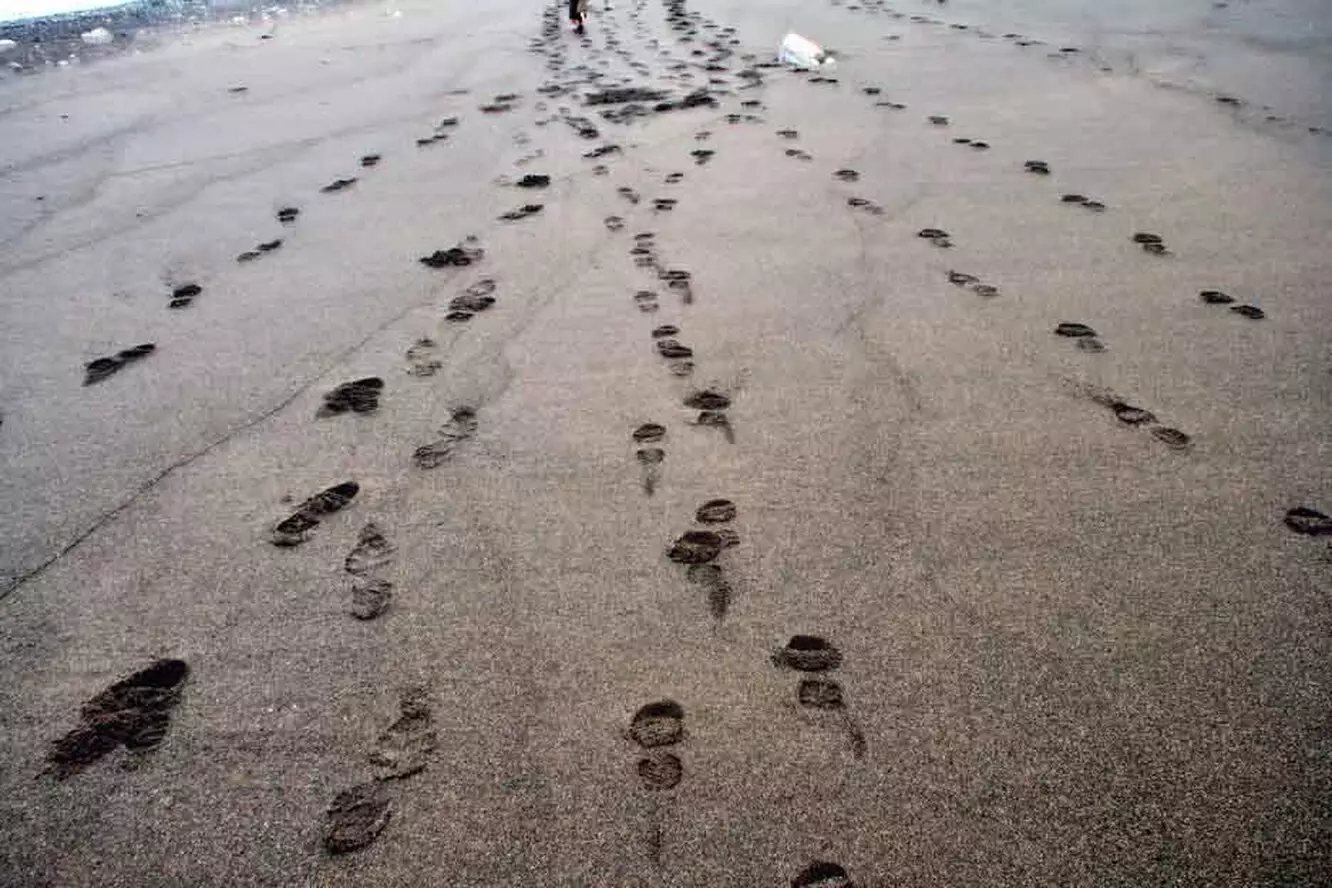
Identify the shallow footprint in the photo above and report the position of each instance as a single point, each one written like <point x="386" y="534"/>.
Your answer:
<point x="461" y="426"/>
<point x="1309" y="522"/>
<point x="371" y="552"/>
<point x="406" y="745"/>
<point x="422" y="358"/>
<point x="1172" y="438"/>
<point x="356" y="818"/>
<point x="716" y="511"/>
<point x="712" y="581"/>
<point x="370" y="598"/>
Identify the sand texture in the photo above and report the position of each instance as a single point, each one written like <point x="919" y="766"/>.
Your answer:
<point x="695" y="515"/>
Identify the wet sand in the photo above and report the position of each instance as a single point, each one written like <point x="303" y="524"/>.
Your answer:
<point x="1070" y="653"/>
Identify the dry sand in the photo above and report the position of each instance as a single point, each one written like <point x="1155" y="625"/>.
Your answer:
<point x="1075" y="655"/>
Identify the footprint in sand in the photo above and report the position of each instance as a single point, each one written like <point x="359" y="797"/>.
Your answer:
<point x="798" y="154"/>
<point x="372" y="552"/>
<point x="134" y="712"/>
<point x="1151" y="243"/>
<point x="337" y="185"/>
<point x="808" y="653"/>
<point x="458" y="429"/>
<point x="423" y="358"/>
<point x="664" y="204"/>
<point x="702" y="156"/>
<point x="1172" y="438"/>
<point x="292" y="531"/>
<point x="184" y="295"/>
<point x="717" y="589"/>
<point x="359" y="396"/>
<point x="1251" y="312"/>
<point x="847" y="175"/>
<point x="405" y="747"/>
<point x="532" y="180"/>
<point x="865" y="204"/>
<point x="936" y="236"/>
<point x="371" y="160"/>
<point x="658" y="724"/>
<point x="522" y="212"/>
<point x="646" y="301"/>
<point x="821" y="874"/>
<point x="260" y="250"/>
<point x="287" y="215"/>
<point x="716" y="511"/>
<point x="356" y="818"/>
<point x="457" y="256"/>
<point x="826" y="695"/>
<point x="614" y="223"/>
<point x="696" y="547"/>
<point x="476" y="298"/>
<point x="650" y="459"/>
<point x="672" y="179"/>
<point x="1215" y="297"/>
<point x="1308" y="522"/>
<point x="1039" y="167"/>
<point x="670" y="348"/>
<point x="628" y="194"/>
<point x="100" y="368"/>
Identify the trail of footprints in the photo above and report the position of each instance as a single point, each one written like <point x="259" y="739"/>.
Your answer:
<point x="135" y="712"/>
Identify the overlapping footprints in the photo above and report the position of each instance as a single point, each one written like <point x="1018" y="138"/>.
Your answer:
<point x="655" y="727"/>
<point x="461" y="426"/>
<point x="134" y="712"/>
<point x="1217" y="297"/>
<point x="814" y="656"/>
<point x="698" y="550"/>
<point x="99" y="369"/>
<point x="366" y="562"/>
<point x="649" y="458"/>
<point x="359" y="814"/>
<point x="1130" y="414"/>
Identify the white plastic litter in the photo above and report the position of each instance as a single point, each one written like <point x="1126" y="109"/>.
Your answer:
<point x="97" y="37"/>
<point x="7" y="46"/>
<point x="796" y="50"/>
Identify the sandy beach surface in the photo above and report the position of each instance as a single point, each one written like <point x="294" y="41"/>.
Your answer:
<point x="1051" y="620"/>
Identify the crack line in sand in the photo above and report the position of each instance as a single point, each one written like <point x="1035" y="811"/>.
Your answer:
<point x="134" y="497"/>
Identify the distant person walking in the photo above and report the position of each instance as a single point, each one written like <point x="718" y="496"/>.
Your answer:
<point x="577" y="14"/>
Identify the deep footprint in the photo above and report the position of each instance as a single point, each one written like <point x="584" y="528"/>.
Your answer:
<point x="292" y="530"/>
<point x="1309" y="522"/>
<point x="134" y="711"/>
<point x="360" y="396"/>
<point x="695" y="547"/>
<point x="820" y="874"/>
